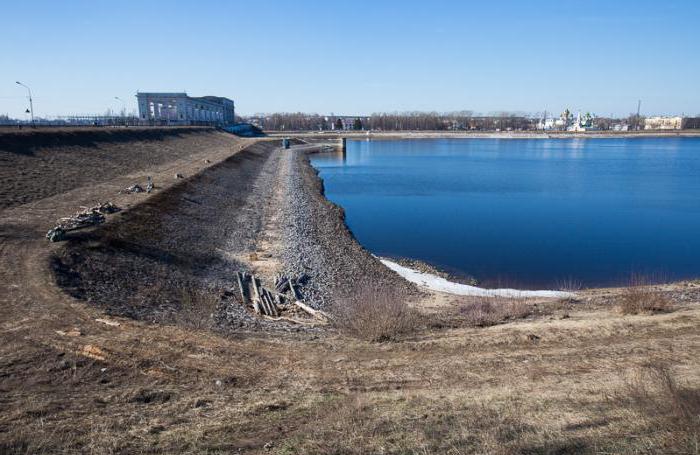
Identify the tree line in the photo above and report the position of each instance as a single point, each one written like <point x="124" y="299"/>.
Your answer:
<point x="397" y="121"/>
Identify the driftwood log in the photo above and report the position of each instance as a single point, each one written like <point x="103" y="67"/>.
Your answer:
<point x="268" y="303"/>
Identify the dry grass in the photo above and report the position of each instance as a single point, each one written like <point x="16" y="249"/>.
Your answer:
<point x="487" y="311"/>
<point x="406" y="423"/>
<point x="375" y="315"/>
<point x="461" y="391"/>
<point x="670" y="407"/>
<point x="569" y="285"/>
<point x="640" y="297"/>
<point x="196" y="309"/>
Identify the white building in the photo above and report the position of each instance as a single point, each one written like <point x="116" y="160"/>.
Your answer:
<point x="181" y="109"/>
<point x="582" y="123"/>
<point x="663" y="123"/>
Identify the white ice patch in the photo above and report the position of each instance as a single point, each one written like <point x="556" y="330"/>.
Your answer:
<point x="436" y="283"/>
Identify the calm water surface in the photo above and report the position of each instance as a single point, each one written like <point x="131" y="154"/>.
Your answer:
<point x="526" y="212"/>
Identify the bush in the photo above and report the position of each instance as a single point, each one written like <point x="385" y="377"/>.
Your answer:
<point x="487" y="311"/>
<point x="569" y="285"/>
<point x="196" y="308"/>
<point x="640" y="297"/>
<point x="374" y="315"/>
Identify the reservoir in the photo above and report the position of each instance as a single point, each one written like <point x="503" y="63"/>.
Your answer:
<point x="532" y="213"/>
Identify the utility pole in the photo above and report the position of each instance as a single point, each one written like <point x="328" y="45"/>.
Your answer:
<point x="639" y="106"/>
<point x="31" y="105"/>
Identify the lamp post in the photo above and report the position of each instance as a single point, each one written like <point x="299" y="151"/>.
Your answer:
<point x="31" y="105"/>
<point x="123" y="104"/>
<point x="123" y="108"/>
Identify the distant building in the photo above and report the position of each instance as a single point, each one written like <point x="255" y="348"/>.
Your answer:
<point x="348" y="121"/>
<point x="663" y="123"/>
<point x="258" y="122"/>
<point x="567" y="122"/>
<point x="582" y="123"/>
<point x="691" y="123"/>
<point x="181" y="109"/>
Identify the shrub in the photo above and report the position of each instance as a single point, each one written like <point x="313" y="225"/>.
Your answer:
<point x="640" y="297"/>
<point x="196" y="308"/>
<point x="487" y="311"/>
<point x="375" y="314"/>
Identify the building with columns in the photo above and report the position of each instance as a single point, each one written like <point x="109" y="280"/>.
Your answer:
<point x="178" y="108"/>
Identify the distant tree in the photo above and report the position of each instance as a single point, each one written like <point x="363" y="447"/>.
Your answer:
<point x="357" y="124"/>
<point x="635" y="122"/>
<point x="338" y="124"/>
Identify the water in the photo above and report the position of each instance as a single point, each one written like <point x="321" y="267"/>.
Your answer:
<point x="526" y="212"/>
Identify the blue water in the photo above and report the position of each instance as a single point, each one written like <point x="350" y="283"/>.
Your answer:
<point x="526" y="212"/>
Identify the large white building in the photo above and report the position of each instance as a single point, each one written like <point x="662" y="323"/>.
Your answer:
<point x="663" y="123"/>
<point x="178" y="108"/>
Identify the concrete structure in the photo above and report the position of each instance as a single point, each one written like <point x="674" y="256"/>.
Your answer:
<point x="663" y="123"/>
<point x="178" y="108"/>
<point x="691" y="123"/>
<point x="348" y="121"/>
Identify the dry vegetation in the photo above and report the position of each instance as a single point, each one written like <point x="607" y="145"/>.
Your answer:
<point x="375" y="314"/>
<point x="486" y="311"/>
<point x="670" y="408"/>
<point x="641" y="297"/>
<point x="596" y="382"/>
<point x="196" y="308"/>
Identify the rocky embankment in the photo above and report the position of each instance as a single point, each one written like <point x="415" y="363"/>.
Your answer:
<point x="173" y="257"/>
<point x="318" y="245"/>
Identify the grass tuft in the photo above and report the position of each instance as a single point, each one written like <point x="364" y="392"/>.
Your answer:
<point x="640" y="297"/>
<point x="488" y="311"/>
<point x="375" y="315"/>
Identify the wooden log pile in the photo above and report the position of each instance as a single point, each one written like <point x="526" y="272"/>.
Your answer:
<point x="273" y="303"/>
<point x="89" y="216"/>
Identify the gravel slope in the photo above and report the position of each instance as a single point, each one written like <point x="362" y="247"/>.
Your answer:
<point x="318" y="244"/>
<point x="177" y="251"/>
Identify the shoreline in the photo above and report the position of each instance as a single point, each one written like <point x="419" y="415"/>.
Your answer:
<point x="430" y="280"/>
<point x="437" y="283"/>
<point x="435" y="279"/>
<point x="401" y="135"/>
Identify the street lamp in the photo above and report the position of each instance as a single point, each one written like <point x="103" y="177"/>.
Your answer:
<point x="123" y="108"/>
<point x="31" y="105"/>
<point x="123" y="105"/>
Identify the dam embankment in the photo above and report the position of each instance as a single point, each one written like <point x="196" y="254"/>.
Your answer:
<point x="36" y="164"/>
<point x="170" y="256"/>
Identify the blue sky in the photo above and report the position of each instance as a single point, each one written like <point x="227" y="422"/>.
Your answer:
<point x="355" y="56"/>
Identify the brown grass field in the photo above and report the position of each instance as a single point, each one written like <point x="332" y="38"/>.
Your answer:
<point x="614" y="371"/>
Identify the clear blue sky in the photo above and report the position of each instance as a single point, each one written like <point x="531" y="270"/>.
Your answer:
<point x="355" y="56"/>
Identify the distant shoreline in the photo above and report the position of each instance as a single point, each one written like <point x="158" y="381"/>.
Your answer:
<point x="387" y="135"/>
